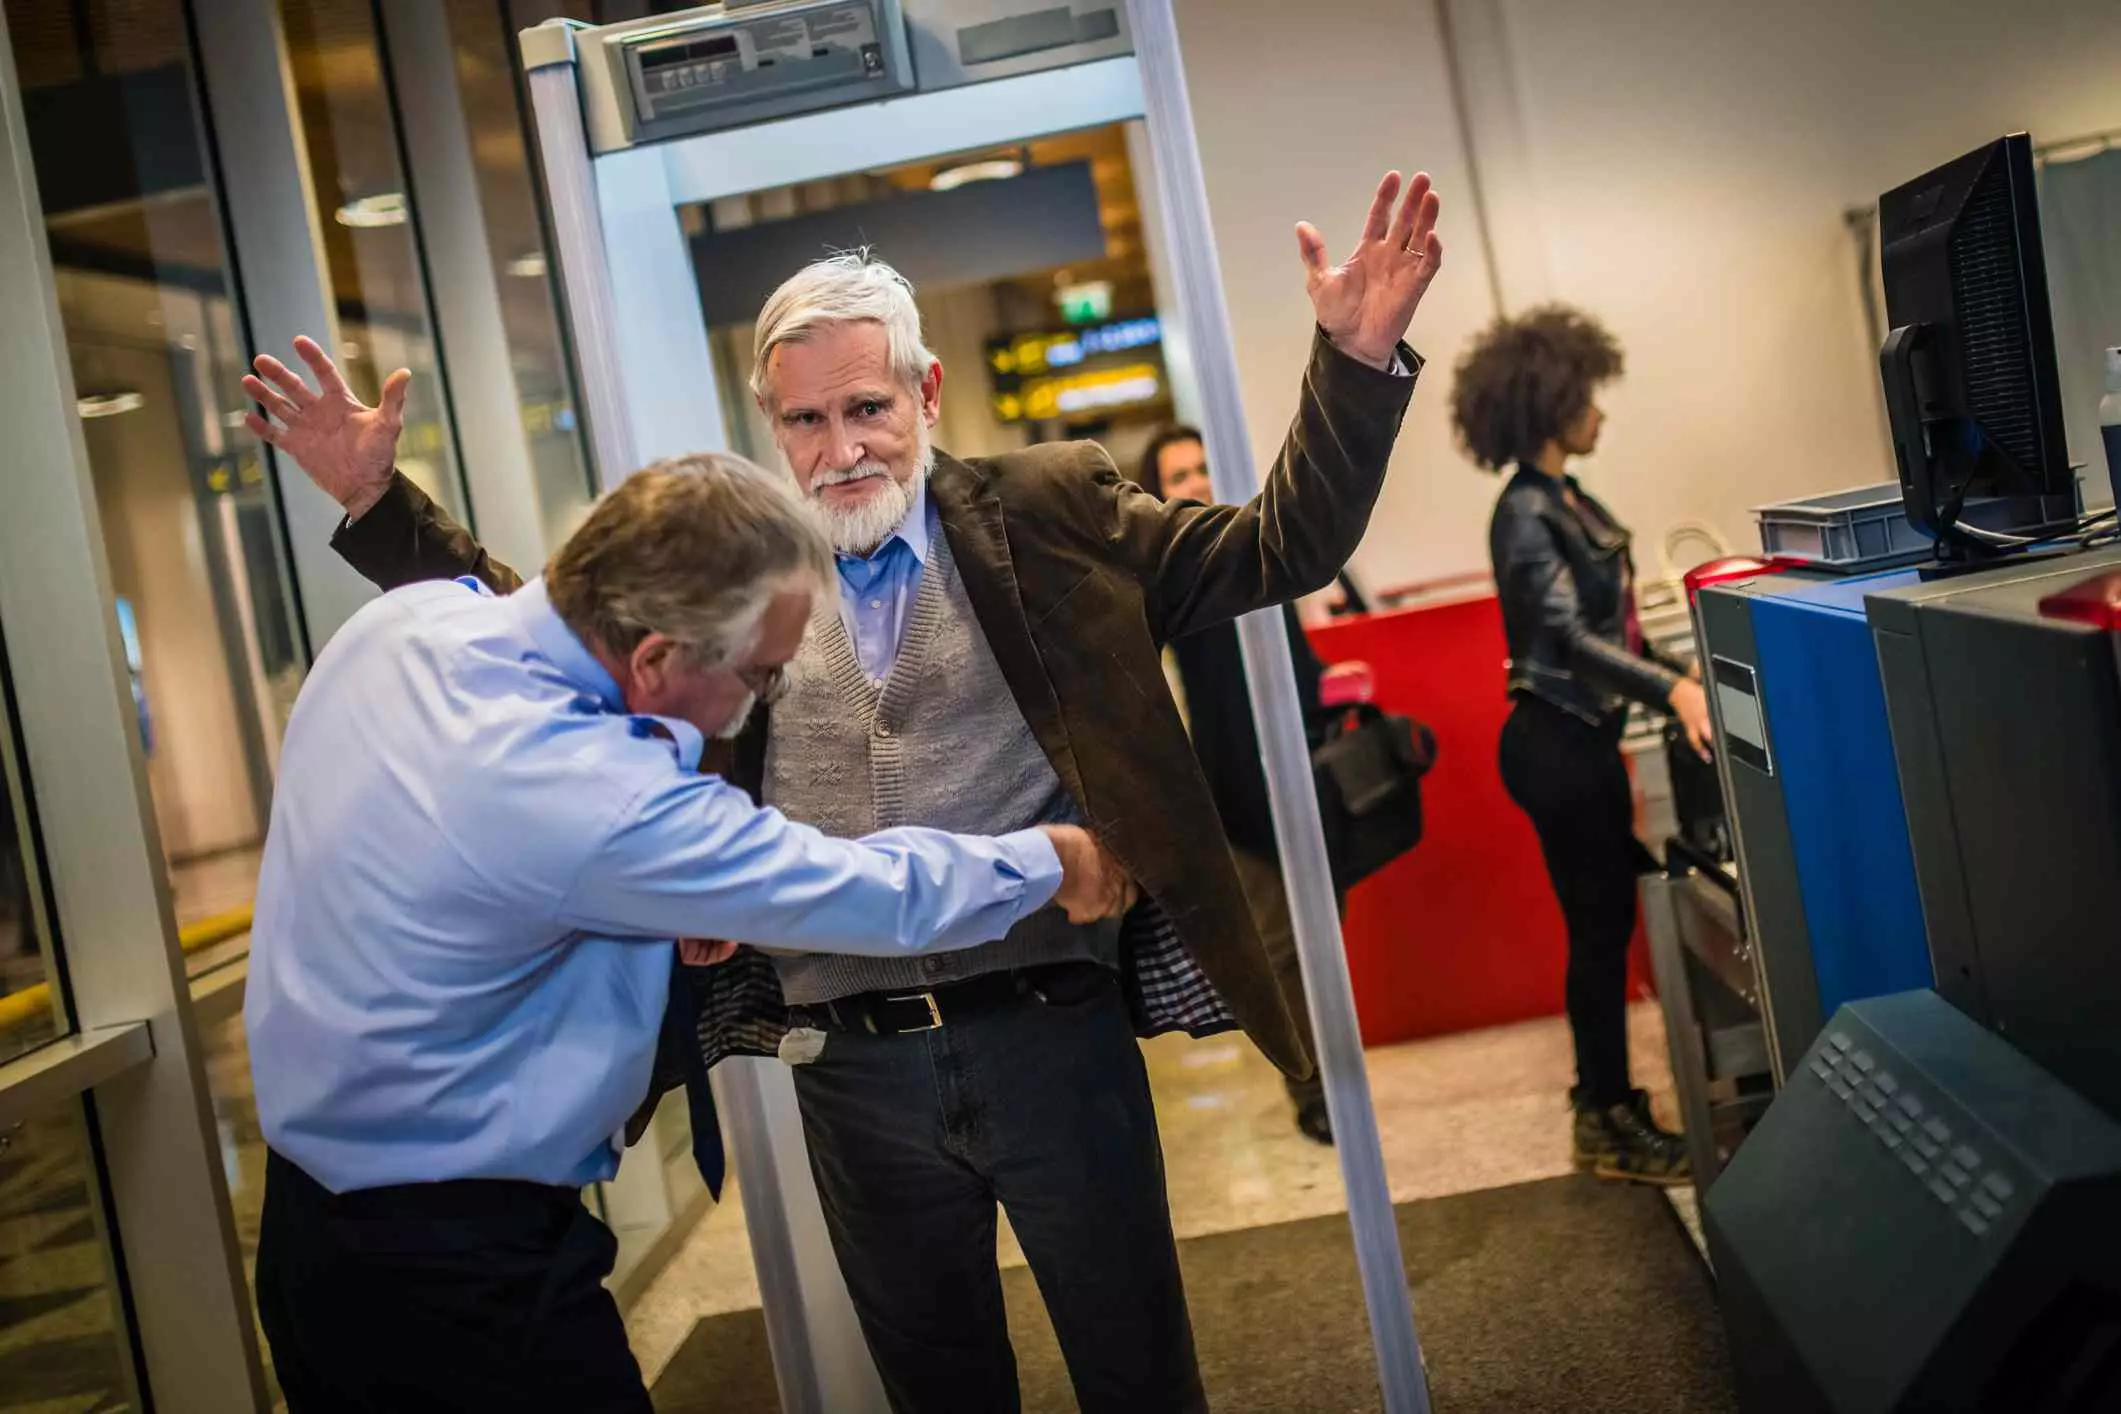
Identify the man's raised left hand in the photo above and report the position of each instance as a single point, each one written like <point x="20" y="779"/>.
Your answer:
<point x="1365" y="303"/>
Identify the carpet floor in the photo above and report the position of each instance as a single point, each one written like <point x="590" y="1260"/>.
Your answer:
<point x="1566" y="1296"/>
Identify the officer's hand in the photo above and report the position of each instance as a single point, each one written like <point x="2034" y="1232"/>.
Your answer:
<point x="1093" y="884"/>
<point x="704" y="952"/>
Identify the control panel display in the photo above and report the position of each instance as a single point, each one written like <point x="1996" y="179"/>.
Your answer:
<point x="753" y="61"/>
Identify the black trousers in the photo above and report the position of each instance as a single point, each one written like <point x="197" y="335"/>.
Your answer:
<point x="441" y="1297"/>
<point x="1042" y="1107"/>
<point x="1568" y="776"/>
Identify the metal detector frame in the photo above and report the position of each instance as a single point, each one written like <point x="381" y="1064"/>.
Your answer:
<point x="648" y="389"/>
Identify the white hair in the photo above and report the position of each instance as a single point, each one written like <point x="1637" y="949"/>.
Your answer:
<point x="848" y="288"/>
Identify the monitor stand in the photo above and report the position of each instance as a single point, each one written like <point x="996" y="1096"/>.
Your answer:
<point x="1950" y="566"/>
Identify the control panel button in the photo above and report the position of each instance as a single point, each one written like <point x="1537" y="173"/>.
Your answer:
<point x="1902" y="1123"/>
<point x="1997" y="1184"/>
<point x="1956" y="1176"/>
<point x="1864" y="1062"/>
<point x="1974" y="1223"/>
<point x="1863" y="1111"/>
<point x="1840" y="1087"/>
<point x="1912" y="1105"/>
<point x="1989" y="1207"/>
<point x="1925" y="1148"/>
<point x="1821" y="1069"/>
<point x="1884" y="1081"/>
<point x="1872" y="1096"/>
<point x="1943" y="1191"/>
<point x="1890" y="1140"/>
<point x="1966" y="1158"/>
<point x="1914" y="1163"/>
<point x="1938" y="1130"/>
<point x="1840" y="1041"/>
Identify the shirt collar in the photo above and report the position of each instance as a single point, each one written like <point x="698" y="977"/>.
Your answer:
<point x="579" y="667"/>
<point x="913" y="529"/>
<point x="560" y="644"/>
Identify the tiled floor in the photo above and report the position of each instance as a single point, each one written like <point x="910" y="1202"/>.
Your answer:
<point x="215" y="884"/>
<point x="1456" y="1114"/>
<point x="204" y="888"/>
<point x="60" y="1351"/>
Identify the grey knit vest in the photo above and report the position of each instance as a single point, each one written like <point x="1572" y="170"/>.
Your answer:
<point x="942" y="744"/>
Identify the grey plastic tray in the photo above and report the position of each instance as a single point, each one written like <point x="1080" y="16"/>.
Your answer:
<point x="1862" y="529"/>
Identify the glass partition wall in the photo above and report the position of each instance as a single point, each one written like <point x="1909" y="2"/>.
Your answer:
<point x="157" y="613"/>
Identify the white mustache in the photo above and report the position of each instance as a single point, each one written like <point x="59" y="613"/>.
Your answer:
<point x="860" y="471"/>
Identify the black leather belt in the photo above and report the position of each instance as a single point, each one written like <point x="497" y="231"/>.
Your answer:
<point x="895" y="1013"/>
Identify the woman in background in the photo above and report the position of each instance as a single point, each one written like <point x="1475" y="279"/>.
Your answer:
<point x="1208" y="682"/>
<point x="1525" y="398"/>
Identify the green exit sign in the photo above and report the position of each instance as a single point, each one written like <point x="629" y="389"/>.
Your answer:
<point x="1086" y="303"/>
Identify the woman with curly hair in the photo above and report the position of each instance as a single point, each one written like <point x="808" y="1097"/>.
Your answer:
<point x="1525" y="399"/>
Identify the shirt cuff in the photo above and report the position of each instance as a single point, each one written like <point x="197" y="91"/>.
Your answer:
<point x="1406" y="361"/>
<point x="1031" y="854"/>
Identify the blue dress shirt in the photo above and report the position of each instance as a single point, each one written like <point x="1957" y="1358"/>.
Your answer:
<point x="877" y="589"/>
<point x="476" y="861"/>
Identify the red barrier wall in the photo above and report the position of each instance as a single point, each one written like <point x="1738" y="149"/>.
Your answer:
<point x="1463" y="932"/>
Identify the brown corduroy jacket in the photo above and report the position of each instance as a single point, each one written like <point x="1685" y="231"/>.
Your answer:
<point x="1078" y="578"/>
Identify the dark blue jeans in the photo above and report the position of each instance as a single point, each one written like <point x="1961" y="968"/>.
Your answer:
<point x="1042" y="1107"/>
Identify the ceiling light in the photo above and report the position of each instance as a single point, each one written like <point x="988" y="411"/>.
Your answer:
<point x="109" y="404"/>
<point x="990" y="169"/>
<point x="530" y="267"/>
<point x="385" y="208"/>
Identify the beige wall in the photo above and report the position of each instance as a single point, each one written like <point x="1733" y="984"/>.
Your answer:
<point x="1681" y="167"/>
<point x="1300" y="108"/>
<point x="1693" y="161"/>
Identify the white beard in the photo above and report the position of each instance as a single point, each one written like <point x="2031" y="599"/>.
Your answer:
<point x="859" y="528"/>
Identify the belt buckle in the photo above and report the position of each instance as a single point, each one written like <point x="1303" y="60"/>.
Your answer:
<point x="935" y="1012"/>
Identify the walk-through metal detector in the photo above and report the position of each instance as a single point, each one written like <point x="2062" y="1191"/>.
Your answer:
<point x="639" y="121"/>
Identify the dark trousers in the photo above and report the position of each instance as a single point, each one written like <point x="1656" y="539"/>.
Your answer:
<point x="441" y="1297"/>
<point x="1568" y="776"/>
<point x="1043" y="1107"/>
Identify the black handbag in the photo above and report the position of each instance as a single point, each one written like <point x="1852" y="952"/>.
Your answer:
<point x="1368" y="771"/>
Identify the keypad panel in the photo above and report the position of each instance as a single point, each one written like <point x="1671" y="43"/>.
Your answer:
<point x="1948" y="1163"/>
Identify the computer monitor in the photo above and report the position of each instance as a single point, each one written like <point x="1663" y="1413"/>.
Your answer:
<point x="1969" y="367"/>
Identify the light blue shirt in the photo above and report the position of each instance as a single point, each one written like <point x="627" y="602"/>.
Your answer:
<point x="476" y="863"/>
<point x="877" y="590"/>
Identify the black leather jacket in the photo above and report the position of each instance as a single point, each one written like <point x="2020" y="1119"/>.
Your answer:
<point x="1564" y="577"/>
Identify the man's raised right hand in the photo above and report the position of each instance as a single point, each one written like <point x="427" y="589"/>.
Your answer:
<point x="347" y="447"/>
<point x="1093" y="884"/>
